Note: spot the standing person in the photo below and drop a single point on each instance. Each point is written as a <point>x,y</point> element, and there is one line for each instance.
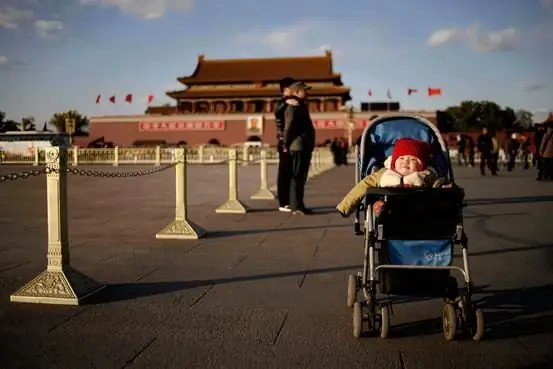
<point>546,153</point>
<point>525,150</point>
<point>495,154</point>
<point>512,151</point>
<point>461,150</point>
<point>485,146</point>
<point>538,162</point>
<point>299,141</point>
<point>284,174</point>
<point>471,146</point>
<point>335,149</point>
<point>344,150</point>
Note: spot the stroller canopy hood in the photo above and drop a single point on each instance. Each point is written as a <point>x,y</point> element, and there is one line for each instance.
<point>381,133</point>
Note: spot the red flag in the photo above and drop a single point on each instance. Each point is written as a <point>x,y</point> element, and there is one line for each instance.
<point>411,91</point>
<point>389,93</point>
<point>112,99</point>
<point>370,92</point>
<point>128,98</point>
<point>434,91</point>
<point>150,98</point>
<point>98,99</point>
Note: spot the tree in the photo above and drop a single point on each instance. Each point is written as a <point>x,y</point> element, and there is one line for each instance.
<point>81,122</point>
<point>474,115</point>
<point>524,119</point>
<point>7,125</point>
<point>28,123</point>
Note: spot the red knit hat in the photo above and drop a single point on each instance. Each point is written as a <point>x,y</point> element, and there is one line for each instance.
<point>408,146</point>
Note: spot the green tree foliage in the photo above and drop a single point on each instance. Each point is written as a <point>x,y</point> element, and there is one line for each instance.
<point>81,122</point>
<point>470,116</point>
<point>8,125</point>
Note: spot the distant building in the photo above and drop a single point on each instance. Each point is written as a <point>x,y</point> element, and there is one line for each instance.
<point>230,101</point>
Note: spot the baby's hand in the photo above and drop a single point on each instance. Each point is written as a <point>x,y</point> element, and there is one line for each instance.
<point>293,102</point>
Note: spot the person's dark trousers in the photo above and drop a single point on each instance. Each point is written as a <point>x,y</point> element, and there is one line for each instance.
<point>284,176</point>
<point>462,158</point>
<point>300,168</point>
<point>344,156</point>
<point>495,161</point>
<point>486,160</point>
<point>471,157</point>
<point>511,162</point>
<point>547,171</point>
<point>525,160</point>
<point>539,166</point>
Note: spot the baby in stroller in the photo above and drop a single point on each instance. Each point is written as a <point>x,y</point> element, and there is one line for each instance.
<point>407,167</point>
<point>411,226</point>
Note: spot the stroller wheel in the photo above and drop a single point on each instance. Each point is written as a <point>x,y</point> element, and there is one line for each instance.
<point>357,320</point>
<point>449,322</point>
<point>352,290</point>
<point>384,321</point>
<point>476,328</point>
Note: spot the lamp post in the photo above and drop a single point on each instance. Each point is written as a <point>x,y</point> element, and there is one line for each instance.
<point>70,128</point>
<point>350,122</point>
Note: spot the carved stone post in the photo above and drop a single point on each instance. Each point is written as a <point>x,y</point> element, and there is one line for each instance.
<point>59,283</point>
<point>263,193</point>
<point>233,205</point>
<point>245,158</point>
<point>158,156</point>
<point>75,155</point>
<point>37,157</point>
<point>116,156</point>
<point>181,228</point>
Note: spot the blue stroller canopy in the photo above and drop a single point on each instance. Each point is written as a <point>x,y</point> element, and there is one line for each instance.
<point>379,137</point>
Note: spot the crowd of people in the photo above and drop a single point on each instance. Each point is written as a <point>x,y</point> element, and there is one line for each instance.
<point>538,155</point>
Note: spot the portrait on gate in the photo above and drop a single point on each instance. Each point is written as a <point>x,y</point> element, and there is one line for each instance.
<point>254,126</point>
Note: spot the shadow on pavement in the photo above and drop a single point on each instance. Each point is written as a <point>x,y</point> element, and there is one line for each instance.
<point>238,232</point>
<point>509,200</point>
<point>130,291</point>
<point>513,313</point>
<point>317,210</point>
<point>510,249</point>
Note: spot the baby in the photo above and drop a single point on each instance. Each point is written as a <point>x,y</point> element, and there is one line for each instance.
<point>408,168</point>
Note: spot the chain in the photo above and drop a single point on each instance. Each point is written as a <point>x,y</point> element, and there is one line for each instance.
<point>21,175</point>
<point>96,173</point>
<point>85,172</point>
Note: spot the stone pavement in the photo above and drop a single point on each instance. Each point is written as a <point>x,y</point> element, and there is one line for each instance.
<point>266,289</point>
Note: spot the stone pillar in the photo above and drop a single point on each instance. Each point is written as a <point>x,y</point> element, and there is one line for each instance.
<point>233,205</point>
<point>181,227</point>
<point>263,193</point>
<point>59,283</point>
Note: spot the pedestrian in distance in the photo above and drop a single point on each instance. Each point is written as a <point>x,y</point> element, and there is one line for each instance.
<point>299,142</point>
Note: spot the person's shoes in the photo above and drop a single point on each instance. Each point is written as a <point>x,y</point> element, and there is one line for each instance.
<point>304,211</point>
<point>285,209</point>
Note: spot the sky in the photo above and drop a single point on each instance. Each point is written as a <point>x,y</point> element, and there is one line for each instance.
<point>57,55</point>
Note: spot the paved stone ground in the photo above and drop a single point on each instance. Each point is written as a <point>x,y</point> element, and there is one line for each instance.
<point>265,290</point>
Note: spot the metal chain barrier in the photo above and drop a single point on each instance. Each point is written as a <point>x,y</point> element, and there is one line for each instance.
<point>97,173</point>
<point>22,175</point>
<point>86,173</point>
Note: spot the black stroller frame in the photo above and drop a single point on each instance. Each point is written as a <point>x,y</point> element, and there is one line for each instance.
<point>438,215</point>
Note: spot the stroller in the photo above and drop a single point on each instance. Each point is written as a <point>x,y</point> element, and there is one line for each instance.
<point>409,244</point>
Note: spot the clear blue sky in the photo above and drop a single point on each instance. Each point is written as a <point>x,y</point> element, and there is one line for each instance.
<point>59,54</point>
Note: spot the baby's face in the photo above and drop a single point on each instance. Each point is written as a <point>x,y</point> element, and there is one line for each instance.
<point>406,165</point>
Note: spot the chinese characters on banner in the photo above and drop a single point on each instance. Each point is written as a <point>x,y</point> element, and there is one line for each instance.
<point>337,124</point>
<point>182,126</point>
